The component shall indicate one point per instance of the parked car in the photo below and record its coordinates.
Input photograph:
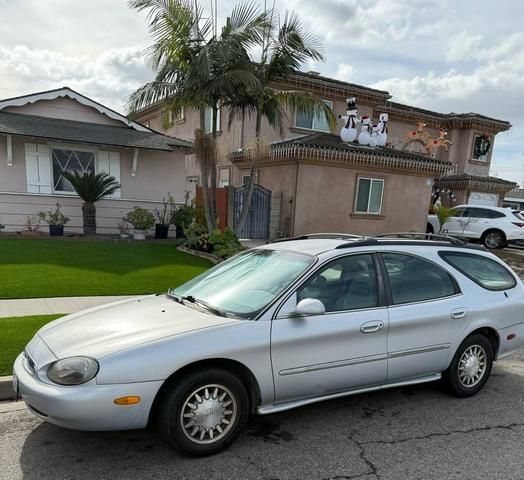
(274, 328)
(495, 227)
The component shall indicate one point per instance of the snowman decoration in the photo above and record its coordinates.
(382, 134)
(373, 141)
(348, 133)
(365, 134)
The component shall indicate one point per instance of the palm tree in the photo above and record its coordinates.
(91, 187)
(197, 68)
(285, 48)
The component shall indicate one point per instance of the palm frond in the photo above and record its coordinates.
(91, 186)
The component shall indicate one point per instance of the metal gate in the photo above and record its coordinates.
(257, 222)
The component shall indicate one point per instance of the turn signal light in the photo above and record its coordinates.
(131, 400)
(511, 336)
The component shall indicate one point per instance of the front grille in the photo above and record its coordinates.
(31, 366)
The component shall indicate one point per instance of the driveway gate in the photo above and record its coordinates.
(257, 222)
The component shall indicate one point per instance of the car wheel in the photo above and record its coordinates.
(203, 412)
(493, 239)
(470, 368)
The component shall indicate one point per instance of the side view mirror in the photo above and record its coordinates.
(309, 306)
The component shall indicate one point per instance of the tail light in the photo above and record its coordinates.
(518, 224)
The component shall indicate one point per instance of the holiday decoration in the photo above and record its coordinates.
(382, 129)
(436, 196)
(365, 133)
(422, 137)
(373, 140)
(481, 147)
(348, 133)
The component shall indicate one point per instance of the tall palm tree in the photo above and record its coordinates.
(197, 67)
(91, 187)
(285, 48)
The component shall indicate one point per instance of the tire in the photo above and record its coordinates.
(493, 239)
(221, 413)
(463, 380)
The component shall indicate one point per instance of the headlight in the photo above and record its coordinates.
(72, 370)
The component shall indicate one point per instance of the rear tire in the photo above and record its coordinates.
(493, 239)
(203, 412)
(470, 368)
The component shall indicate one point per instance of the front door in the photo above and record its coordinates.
(344, 348)
(426, 316)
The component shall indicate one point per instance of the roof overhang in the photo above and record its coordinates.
(477, 183)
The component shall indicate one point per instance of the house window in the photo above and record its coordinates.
(369, 195)
(175, 117)
(70, 161)
(223, 177)
(313, 122)
(245, 179)
(209, 120)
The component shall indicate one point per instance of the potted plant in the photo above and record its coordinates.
(55, 219)
(123, 227)
(142, 220)
(182, 219)
(164, 216)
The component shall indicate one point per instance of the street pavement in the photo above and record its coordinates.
(409, 433)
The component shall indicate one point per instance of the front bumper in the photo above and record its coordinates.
(85, 407)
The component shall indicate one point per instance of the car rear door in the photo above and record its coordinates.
(427, 313)
(342, 349)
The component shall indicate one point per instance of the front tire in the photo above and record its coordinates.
(470, 368)
(203, 413)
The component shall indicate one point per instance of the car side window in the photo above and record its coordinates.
(484, 271)
(413, 279)
(347, 283)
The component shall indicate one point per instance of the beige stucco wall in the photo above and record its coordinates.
(158, 173)
(64, 108)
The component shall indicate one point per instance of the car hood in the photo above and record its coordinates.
(110, 328)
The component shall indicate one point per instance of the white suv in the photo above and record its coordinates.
(495, 227)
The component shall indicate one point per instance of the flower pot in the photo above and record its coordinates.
(56, 230)
(161, 231)
(180, 232)
(139, 235)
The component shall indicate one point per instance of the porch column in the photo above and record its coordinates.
(135, 162)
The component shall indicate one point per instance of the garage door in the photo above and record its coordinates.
(481, 198)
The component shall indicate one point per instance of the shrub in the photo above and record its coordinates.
(197, 237)
(55, 217)
(225, 244)
(140, 218)
(165, 214)
(183, 217)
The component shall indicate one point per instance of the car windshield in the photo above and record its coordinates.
(245, 284)
(518, 215)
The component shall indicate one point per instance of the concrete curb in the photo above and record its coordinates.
(196, 253)
(6, 388)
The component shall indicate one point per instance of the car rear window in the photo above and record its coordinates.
(518, 215)
(485, 272)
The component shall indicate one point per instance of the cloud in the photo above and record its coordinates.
(345, 72)
(464, 46)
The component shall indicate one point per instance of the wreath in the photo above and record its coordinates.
(482, 145)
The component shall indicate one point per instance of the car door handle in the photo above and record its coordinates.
(371, 327)
(459, 313)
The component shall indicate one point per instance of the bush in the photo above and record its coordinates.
(53, 217)
(224, 244)
(183, 217)
(197, 237)
(140, 218)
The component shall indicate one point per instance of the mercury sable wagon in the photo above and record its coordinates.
(276, 327)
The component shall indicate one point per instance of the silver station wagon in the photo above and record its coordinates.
(276, 327)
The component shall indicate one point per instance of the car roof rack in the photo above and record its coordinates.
(423, 236)
(330, 236)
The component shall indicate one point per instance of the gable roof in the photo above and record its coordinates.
(85, 132)
(72, 94)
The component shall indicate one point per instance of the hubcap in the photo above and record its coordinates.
(472, 366)
(208, 414)
(493, 239)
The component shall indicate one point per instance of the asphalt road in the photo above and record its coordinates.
(409, 433)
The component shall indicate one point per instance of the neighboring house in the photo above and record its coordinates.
(46, 133)
(319, 183)
(514, 199)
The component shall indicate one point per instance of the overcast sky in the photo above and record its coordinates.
(445, 55)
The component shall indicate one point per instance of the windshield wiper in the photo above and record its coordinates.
(202, 303)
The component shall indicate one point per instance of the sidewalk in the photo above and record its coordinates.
(49, 306)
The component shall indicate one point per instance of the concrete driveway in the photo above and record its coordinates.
(408, 433)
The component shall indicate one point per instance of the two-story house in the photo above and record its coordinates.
(319, 183)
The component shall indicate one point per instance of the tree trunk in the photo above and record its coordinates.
(213, 166)
(204, 174)
(89, 218)
(250, 187)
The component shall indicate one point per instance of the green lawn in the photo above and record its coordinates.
(32, 268)
(15, 334)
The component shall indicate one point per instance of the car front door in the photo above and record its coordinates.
(426, 315)
(453, 225)
(341, 349)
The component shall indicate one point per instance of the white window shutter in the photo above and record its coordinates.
(109, 162)
(38, 168)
